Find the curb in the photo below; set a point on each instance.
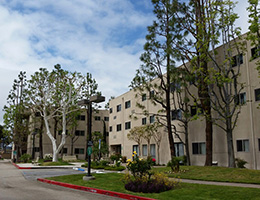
(18, 167)
(94, 190)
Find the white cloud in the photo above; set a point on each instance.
(102, 37)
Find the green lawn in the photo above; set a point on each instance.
(112, 182)
(222, 174)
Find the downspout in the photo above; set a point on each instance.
(251, 112)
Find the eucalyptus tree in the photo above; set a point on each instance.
(54, 94)
(201, 26)
(16, 117)
(153, 77)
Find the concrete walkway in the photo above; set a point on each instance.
(221, 183)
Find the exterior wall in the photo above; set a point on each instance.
(247, 127)
(79, 141)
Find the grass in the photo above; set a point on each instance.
(60, 162)
(222, 174)
(182, 191)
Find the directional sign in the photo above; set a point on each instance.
(89, 151)
(90, 143)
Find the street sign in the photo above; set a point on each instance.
(90, 143)
(99, 144)
(89, 151)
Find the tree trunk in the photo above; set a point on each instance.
(231, 156)
(40, 139)
(158, 154)
(187, 144)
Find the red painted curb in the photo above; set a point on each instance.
(94, 190)
(17, 166)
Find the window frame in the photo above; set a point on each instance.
(118, 127)
(128, 125)
(118, 108)
(200, 148)
(128, 104)
(243, 145)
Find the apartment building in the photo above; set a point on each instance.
(75, 141)
(246, 136)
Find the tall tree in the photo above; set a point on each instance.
(16, 118)
(200, 26)
(158, 62)
(44, 92)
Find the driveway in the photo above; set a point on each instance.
(22, 185)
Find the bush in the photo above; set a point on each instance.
(143, 180)
(175, 162)
(115, 157)
(240, 163)
(124, 159)
(25, 158)
(114, 168)
(159, 183)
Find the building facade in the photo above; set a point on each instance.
(246, 134)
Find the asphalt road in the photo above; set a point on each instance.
(18, 184)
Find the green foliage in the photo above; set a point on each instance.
(115, 157)
(96, 136)
(240, 163)
(174, 163)
(25, 158)
(139, 168)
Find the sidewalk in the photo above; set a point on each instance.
(247, 185)
(33, 166)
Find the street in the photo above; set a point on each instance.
(18, 184)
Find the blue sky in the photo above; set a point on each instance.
(103, 37)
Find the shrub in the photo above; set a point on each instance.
(159, 183)
(115, 157)
(25, 158)
(114, 168)
(240, 163)
(123, 159)
(174, 163)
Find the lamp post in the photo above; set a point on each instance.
(33, 147)
(88, 102)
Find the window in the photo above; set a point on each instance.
(118, 108)
(114, 117)
(144, 121)
(79, 133)
(110, 128)
(60, 132)
(127, 125)
(106, 119)
(175, 86)
(199, 148)
(81, 117)
(97, 118)
(127, 104)
(243, 145)
(151, 94)
(78, 151)
(194, 110)
(237, 59)
(257, 94)
(179, 149)
(143, 97)
(176, 114)
(152, 119)
(240, 99)
(135, 148)
(65, 150)
(36, 149)
(110, 110)
(152, 150)
(118, 127)
(144, 148)
(255, 53)
(37, 114)
(258, 144)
